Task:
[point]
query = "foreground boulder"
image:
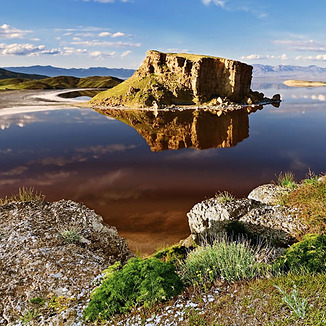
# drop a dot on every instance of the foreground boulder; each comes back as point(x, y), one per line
point(183, 79)
point(50, 253)
point(261, 216)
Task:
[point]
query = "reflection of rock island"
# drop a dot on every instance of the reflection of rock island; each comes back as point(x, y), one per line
point(176, 129)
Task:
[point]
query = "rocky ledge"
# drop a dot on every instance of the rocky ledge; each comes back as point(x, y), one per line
point(52, 252)
point(166, 79)
point(260, 215)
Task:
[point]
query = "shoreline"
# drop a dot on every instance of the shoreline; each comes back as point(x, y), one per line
point(303, 83)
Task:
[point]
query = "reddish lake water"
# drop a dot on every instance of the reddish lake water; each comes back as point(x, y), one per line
point(141, 186)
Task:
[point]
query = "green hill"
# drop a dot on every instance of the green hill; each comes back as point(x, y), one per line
point(5, 74)
point(60, 82)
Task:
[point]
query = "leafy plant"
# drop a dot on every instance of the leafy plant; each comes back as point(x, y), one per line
point(227, 260)
point(138, 283)
point(309, 254)
point(37, 301)
point(297, 305)
point(70, 236)
point(24, 195)
point(224, 197)
point(60, 303)
point(29, 316)
point(286, 179)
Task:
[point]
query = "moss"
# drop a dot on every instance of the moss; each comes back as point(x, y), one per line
point(310, 254)
point(138, 283)
point(173, 254)
point(310, 200)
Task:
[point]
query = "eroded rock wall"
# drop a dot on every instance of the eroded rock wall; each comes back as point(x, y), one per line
point(203, 76)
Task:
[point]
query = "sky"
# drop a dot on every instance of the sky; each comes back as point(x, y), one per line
point(117, 33)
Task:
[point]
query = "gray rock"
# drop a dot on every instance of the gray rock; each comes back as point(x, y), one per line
point(256, 217)
point(211, 217)
point(267, 194)
point(37, 262)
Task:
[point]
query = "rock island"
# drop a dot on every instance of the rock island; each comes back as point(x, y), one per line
point(167, 79)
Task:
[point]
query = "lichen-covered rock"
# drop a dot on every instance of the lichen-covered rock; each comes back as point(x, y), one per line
point(51, 251)
point(211, 217)
point(183, 79)
point(268, 194)
point(261, 217)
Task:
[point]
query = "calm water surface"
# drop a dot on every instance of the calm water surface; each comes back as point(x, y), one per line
point(143, 174)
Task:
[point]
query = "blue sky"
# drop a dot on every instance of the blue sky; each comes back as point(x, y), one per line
point(117, 33)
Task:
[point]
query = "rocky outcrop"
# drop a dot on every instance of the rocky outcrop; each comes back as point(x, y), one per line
point(176, 129)
point(183, 79)
point(52, 251)
point(260, 217)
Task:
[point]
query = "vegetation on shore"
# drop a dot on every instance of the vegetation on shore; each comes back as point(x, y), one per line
point(60, 82)
point(304, 83)
point(260, 286)
point(248, 284)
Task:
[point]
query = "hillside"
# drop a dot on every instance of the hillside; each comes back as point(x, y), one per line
point(60, 82)
point(5, 74)
point(75, 72)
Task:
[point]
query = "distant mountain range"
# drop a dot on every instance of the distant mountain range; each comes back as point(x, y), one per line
point(288, 71)
point(75, 72)
point(280, 71)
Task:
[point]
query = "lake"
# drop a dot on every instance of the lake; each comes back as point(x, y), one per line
point(143, 171)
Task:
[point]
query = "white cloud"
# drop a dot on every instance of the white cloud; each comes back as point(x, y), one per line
point(302, 45)
point(118, 34)
point(9, 32)
point(106, 44)
point(246, 6)
point(319, 57)
point(125, 53)
point(104, 34)
point(101, 55)
point(72, 51)
point(264, 56)
point(220, 3)
point(25, 49)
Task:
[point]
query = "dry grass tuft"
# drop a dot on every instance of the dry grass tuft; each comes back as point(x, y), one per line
point(24, 195)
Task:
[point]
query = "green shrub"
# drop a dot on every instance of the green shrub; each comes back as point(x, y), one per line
point(228, 260)
point(308, 254)
point(138, 283)
point(286, 179)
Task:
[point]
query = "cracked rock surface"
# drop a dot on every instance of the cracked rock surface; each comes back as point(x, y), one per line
point(38, 259)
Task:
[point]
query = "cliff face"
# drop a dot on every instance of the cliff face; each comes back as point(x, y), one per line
point(203, 77)
point(176, 129)
point(177, 78)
